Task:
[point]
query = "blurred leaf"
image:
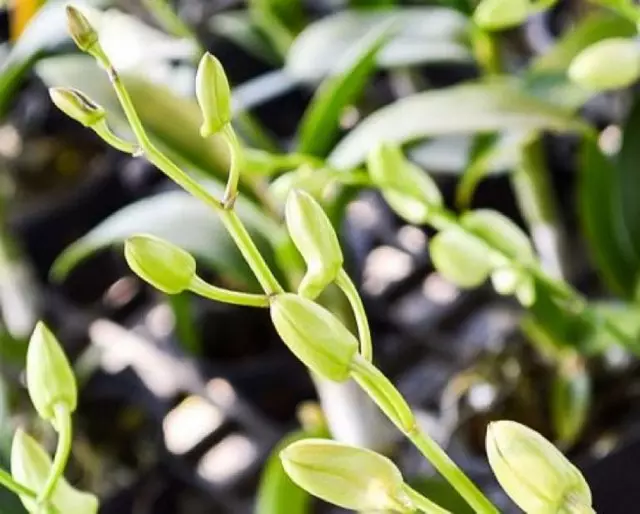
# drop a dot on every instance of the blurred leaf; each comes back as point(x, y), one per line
point(262, 89)
point(500, 233)
point(320, 123)
point(172, 121)
point(570, 399)
point(475, 107)
point(590, 29)
point(185, 221)
point(447, 154)
point(441, 492)
point(626, 317)
point(277, 494)
point(601, 217)
point(266, 16)
point(9, 502)
point(460, 258)
point(426, 34)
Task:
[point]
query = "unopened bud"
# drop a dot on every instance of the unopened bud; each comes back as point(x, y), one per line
point(162, 264)
point(214, 95)
point(501, 14)
point(314, 335)
point(349, 477)
point(30, 466)
point(80, 29)
point(77, 105)
point(535, 474)
point(407, 189)
point(608, 64)
point(50, 378)
point(315, 239)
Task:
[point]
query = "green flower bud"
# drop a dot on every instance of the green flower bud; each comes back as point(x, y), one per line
point(214, 95)
point(501, 14)
point(352, 478)
point(77, 105)
point(80, 29)
point(409, 191)
point(608, 64)
point(535, 474)
point(314, 335)
point(162, 264)
point(315, 239)
point(50, 379)
point(30, 466)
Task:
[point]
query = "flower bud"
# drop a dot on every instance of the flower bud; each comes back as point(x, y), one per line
point(80, 29)
point(162, 264)
point(501, 14)
point(315, 239)
point(77, 105)
point(535, 474)
point(50, 379)
point(30, 466)
point(608, 64)
point(214, 95)
point(350, 477)
point(314, 335)
point(407, 189)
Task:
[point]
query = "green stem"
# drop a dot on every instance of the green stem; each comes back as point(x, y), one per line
point(422, 503)
point(391, 402)
point(219, 294)
point(235, 166)
point(250, 252)
point(103, 130)
point(65, 431)
point(7, 481)
point(344, 282)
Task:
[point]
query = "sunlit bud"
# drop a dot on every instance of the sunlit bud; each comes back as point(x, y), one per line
point(501, 14)
point(608, 64)
point(407, 189)
point(315, 239)
point(162, 264)
point(214, 95)
point(535, 474)
point(314, 335)
point(350, 477)
point(77, 105)
point(50, 378)
point(80, 29)
point(30, 466)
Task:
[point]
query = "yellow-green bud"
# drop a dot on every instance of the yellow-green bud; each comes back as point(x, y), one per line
point(314, 335)
point(77, 105)
point(535, 474)
point(407, 189)
point(162, 264)
point(315, 239)
point(30, 466)
point(608, 64)
point(50, 378)
point(214, 95)
point(80, 29)
point(501, 14)
point(352, 478)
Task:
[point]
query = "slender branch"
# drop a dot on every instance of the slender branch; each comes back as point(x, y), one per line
point(344, 282)
point(65, 431)
point(102, 129)
point(7, 481)
point(235, 166)
point(219, 294)
point(424, 504)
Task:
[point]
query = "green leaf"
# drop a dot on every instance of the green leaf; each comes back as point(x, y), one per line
point(277, 494)
point(601, 217)
point(570, 399)
point(426, 34)
point(591, 29)
point(500, 233)
point(320, 123)
point(461, 258)
point(476, 107)
point(172, 121)
point(184, 221)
